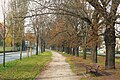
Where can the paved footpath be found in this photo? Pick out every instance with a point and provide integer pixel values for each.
(58, 69)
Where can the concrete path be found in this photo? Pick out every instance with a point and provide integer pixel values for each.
(58, 69)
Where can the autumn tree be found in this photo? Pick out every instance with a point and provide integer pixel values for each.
(110, 16)
(104, 13)
(63, 36)
(30, 38)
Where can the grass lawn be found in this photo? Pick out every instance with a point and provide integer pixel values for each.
(26, 69)
(7, 48)
(78, 66)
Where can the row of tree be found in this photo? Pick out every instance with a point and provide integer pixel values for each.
(22, 32)
(82, 23)
(68, 25)
(13, 27)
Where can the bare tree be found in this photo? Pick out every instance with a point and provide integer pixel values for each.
(109, 19)
(4, 30)
(19, 8)
(105, 10)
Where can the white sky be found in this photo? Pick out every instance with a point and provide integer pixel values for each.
(1, 11)
(6, 1)
(1, 16)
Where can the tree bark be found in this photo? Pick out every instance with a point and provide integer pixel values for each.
(43, 46)
(84, 53)
(4, 51)
(94, 54)
(109, 36)
(77, 51)
(65, 49)
(21, 51)
(37, 44)
(27, 52)
(110, 48)
(70, 50)
(73, 52)
(30, 51)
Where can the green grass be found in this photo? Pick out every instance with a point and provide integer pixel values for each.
(117, 60)
(71, 64)
(6, 48)
(26, 69)
(65, 54)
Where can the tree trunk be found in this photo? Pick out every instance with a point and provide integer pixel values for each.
(4, 51)
(77, 51)
(94, 54)
(65, 49)
(21, 51)
(73, 52)
(23, 45)
(70, 50)
(110, 48)
(44, 46)
(4, 39)
(84, 53)
(30, 51)
(37, 45)
(27, 52)
(41, 46)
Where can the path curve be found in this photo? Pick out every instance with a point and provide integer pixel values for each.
(58, 69)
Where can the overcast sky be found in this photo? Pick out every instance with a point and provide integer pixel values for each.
(2, 2)
(1, 16)
(1, 11)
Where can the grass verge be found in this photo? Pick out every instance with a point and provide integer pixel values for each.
(26, 69)
(78, 66)
(6, 48)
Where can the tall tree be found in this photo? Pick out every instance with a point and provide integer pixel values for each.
(4, 30)
(19, 8)
(110, 17)
(106, 9)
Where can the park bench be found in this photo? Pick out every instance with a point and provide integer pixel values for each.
(93, 68)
